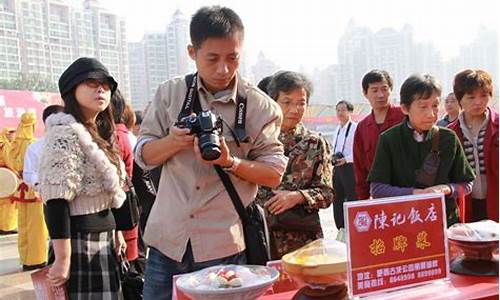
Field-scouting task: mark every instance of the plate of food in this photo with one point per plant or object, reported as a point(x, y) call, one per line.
point(319, 264)
point(242, 282)
point(473, 241)
point(474, 248)
point(482, 231)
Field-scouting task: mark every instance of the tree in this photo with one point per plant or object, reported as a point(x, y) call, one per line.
point(30, 82)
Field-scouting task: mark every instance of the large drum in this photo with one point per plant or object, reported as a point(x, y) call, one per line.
point(8, 183)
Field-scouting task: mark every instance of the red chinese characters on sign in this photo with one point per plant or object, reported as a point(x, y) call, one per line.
point(395, 242)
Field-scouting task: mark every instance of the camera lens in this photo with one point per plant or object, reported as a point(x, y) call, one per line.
point(211, 153)
point(209, 146)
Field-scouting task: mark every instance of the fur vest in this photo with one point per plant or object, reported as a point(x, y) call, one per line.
point(74, 168)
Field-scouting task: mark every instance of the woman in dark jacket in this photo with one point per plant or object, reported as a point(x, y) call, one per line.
point(402, 150)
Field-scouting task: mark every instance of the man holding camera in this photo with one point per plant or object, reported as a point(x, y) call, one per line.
point(193, 223)
point(343, 179)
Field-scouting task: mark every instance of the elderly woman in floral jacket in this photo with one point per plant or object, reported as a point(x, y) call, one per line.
point(307, 180)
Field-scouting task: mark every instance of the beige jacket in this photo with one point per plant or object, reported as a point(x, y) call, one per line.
point(192, 204)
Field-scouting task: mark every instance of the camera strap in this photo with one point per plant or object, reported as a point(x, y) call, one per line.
point(192, 104)
point(345, 138)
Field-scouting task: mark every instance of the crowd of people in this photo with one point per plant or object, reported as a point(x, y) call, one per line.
point(173, 153)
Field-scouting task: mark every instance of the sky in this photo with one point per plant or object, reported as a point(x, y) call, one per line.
point(304, 34)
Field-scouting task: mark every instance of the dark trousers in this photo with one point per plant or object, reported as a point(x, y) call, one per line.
point(479, 211)
point(344, 184)
point(146, 201)
point(160, 270)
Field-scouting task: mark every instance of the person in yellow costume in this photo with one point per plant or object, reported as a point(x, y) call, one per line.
point(8, 209)
point(32, 231)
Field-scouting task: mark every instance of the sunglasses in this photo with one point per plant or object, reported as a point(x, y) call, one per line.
point(94, 83)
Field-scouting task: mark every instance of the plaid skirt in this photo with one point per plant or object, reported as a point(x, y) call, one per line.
point(94, 272)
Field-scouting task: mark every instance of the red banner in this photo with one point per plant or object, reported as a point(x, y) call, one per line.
point(14, 103)
point(395, 242)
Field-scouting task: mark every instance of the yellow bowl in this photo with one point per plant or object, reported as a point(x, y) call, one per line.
point(317, 265)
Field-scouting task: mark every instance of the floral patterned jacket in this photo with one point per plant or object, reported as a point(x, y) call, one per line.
point(310, 172)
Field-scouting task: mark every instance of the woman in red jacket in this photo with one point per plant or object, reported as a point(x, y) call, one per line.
point(126, 156)
point(477, 128)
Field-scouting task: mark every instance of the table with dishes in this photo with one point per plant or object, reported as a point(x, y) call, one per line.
point(460, 287)
point(319, 271)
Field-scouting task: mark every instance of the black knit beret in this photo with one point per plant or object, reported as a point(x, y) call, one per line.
point(82, 69)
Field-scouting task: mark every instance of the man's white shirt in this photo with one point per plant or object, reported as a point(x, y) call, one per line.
point(31, 159)
point(339, 139)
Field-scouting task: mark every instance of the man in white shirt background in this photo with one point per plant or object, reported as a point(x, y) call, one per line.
point(32, 156)
point(30, 169)
point(343, 180)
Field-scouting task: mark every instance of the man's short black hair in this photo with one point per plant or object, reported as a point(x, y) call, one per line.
point(51, 109)
point(418, 86)
point(264, 83)
point(350, 107)
point(373, 76)
point(214, 22)
point(287, 81)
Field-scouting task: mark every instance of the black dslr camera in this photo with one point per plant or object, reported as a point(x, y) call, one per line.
point(207, 128)
point(337, 156)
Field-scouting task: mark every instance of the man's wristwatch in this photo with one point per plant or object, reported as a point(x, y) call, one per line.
point(232, 168)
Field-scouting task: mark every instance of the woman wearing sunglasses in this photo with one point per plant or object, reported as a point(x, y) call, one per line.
point(80, 181)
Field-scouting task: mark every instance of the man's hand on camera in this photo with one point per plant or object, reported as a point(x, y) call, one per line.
point(181, 138)
point(225, 159)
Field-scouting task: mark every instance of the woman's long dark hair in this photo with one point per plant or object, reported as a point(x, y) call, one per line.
point(102, 131)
